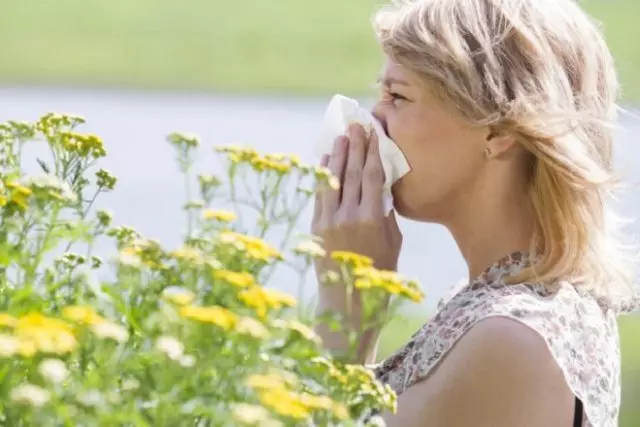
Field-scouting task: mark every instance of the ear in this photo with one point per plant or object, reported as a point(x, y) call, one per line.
point(499, 143)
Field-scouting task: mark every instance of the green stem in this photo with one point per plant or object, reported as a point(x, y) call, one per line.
point(283, 244)
point(84, 214)
point(232, 192)
point(301, 276)
point(187, 187)
point(42, 244)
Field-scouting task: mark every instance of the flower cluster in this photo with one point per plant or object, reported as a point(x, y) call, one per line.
point(279, 163)
point(190, 336)
point(253, 247)
point(86, 145)
point(275, 392)
point(389, 281)
point(34, 333)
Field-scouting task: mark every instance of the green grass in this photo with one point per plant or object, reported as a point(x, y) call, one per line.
point(399, 330)
point(284, 46)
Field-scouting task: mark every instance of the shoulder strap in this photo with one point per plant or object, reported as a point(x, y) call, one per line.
point(577, 416)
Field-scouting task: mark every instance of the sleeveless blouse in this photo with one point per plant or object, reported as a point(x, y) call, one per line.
point(580, 331)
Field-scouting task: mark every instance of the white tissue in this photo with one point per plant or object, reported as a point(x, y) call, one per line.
point(343, 111)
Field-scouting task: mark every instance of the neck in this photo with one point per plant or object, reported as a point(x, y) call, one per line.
point(486, 232)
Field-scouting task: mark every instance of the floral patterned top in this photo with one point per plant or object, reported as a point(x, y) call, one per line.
point(580, 331)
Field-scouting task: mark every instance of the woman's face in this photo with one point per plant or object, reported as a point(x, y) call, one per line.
point(446, 155)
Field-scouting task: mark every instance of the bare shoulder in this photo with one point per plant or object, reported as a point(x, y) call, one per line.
point(500, 373)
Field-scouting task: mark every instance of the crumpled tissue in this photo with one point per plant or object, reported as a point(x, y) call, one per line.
point(343, 111)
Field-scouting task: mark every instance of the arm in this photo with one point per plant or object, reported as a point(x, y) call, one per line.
point(333, 299)
point(500, 374)
point(352, 219)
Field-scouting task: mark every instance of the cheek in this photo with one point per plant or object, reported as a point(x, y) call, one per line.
point(426, 144)
point(441, 158)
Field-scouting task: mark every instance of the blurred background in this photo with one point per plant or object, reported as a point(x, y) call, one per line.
point(252, 72)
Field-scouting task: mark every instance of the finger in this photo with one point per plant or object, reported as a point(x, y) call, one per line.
point(352, 183)
point(317, 204)
point(373, 179)
point(330, 197)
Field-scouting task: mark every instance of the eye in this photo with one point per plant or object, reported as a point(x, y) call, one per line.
point(396, 97)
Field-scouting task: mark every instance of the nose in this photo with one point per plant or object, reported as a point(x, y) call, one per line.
point(379, 114)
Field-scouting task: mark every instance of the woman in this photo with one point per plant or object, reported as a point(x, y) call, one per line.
point(503, 109)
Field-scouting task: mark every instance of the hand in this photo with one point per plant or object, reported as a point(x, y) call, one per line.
point(352, 218)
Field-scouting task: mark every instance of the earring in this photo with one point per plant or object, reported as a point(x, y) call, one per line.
point(487, 151)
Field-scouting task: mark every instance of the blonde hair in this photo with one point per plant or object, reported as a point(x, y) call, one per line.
point(539, 70)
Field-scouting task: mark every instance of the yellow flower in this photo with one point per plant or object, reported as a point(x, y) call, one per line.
point(219, 215)
point(273, 379)
point(310, 248)
point(44, 334)
point(216, 315)
point(289, 159)
point(178, 295)
point(48, 123)
point(241, 280)
point(284, 403)
point(269, 381)
point(130, 257)
point(27, 348)
point(316, 402)
point(82, 314)
point(413, 293)
point(326, 403)
point(188, 253)
point(351, 258)
point(7, 320)
point(83, 145)
point(237, 154)
point(340, 410)
point(388, 281)
point(253, 247)
point(262, 299)
point(325, 176)
point(18, 188)
point(100, 326)
point(19, 194)
point(361, 283)
point(269, 164)
point(274, 394)
point(298, 327)
point(250, 326)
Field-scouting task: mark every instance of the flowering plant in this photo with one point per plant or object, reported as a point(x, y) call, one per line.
point(187, 336)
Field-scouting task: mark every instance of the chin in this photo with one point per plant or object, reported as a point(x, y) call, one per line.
point(425, 211)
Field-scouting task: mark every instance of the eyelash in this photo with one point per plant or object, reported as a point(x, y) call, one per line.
point(396, 96)
point(393, 95)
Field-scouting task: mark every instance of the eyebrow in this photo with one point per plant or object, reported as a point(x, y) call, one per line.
point(388, 81)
